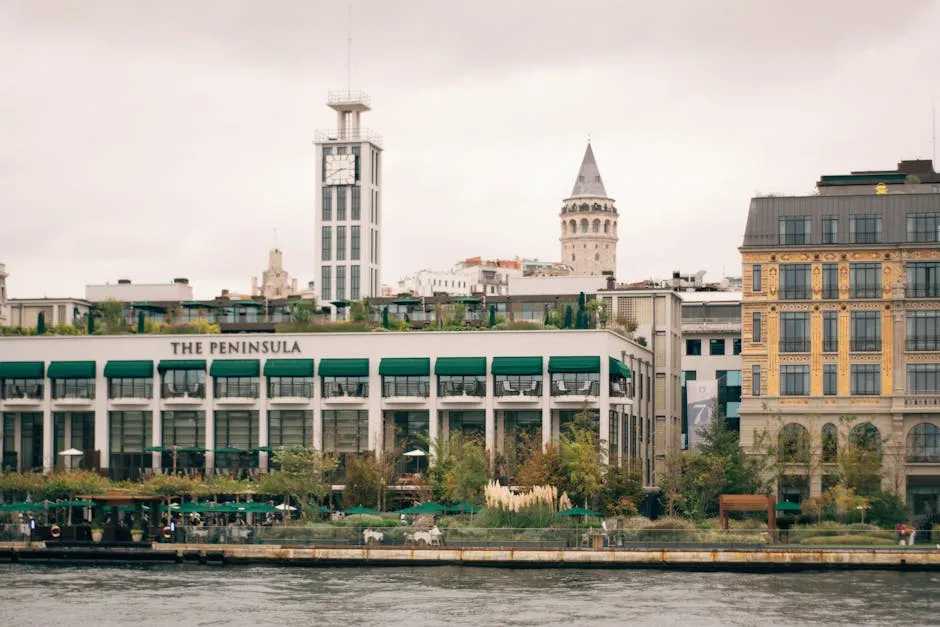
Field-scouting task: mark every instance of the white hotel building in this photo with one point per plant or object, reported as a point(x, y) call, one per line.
point(223, 402)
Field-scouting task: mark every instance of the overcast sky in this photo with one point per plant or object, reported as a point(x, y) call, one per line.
point(152, 140)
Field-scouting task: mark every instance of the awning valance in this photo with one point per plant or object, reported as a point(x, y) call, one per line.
point(405, 367)
point(344, 368)
point(517, 365)
point(181, 364)
point(22, 369)
point(619, 369)
point(71, 370)
point(460, 366)
point(235, 368)
point(128, 369)
point(288, 368)
point(574, 364)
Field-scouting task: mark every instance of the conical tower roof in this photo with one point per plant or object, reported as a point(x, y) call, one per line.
point(589, 181)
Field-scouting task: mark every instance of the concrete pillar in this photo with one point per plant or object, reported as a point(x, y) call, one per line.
point(490, 416)
point(604, 409)
point(433, 418)
point(262, 420)
point(209, 406)
point(546, 404)
point(18, 440)
point(156, 421)
point(376, 422)
point(102, 421)
point(48, 438)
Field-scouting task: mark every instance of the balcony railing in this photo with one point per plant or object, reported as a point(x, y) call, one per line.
point(66, 389)
point(237, 390)
point(798, 292)
point(23, 390)
point(171, 390)
point(580, 388)
point(511, 388)
point(142, 389)
point(336, 389)
point(794, 346)
point(621, 388)
point(923, 343)
point(923, 290)
point(348, 135)
point(830, 345)
point(865, 345)
point(290, 390)
point(409, 388)
point(463, 388)
point(922, 400)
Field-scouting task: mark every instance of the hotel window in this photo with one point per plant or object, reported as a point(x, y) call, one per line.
point(183, 428)
point(830, 332)
point(326, 244)
point(354, 243)
point(794, 332)
point(923, 330)
point(326, 152)
point(340, 282)
point(923, 227)
point(355, 203)
point(865, 228)
point(180, 383)
point(736, 346)
point(236, 387)
point(923, 378)
point(291, 427)
point(354, 293)
point(326, 283)
point(866, 331)
point(73, 388)
point(830, 380)
point(830, 230)
point(865, 280)
point(340, 203)
point(693, 347)
point(340, 243)
point(345, 431)
point(794, 380)
point(357, 163)
point(716, 347)
point(128, 436)
point(794, 229)
point(755, 380)
point(290, 387)
point(22, 388)
point(794, 281)
point(130, 387)
point(830, 281)
point(866, 379)
point(327, 204)
point(923, 279)
point(755, 278)
point(755, 331)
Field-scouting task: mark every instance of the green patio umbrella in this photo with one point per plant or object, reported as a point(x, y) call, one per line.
point(578, 511)
point(191, 449)
point(788, 506)
point(192, 508)
point(261, 508)
point(429, 507)
point(25, 506)
point(359, 509)
point(230, 449)
point(462, 508)
point(156, 449)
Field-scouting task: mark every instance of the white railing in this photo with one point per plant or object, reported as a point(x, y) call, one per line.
point(348, 97)
point(348, 135)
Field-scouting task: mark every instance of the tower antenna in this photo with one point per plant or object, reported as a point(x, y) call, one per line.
point(349, 56)
point(933, 149)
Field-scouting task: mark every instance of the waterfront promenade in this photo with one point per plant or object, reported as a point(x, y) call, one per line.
point(717, 558)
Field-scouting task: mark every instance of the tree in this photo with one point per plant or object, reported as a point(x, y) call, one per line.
point(112, 317)
point(385, 324)
point(357, 311)
point(302, 475)
point(581, 459)
point(460, 469)
point(568, 317)
point(363, 482)
point(622, 491)
point(301, 313)
point(541, 467)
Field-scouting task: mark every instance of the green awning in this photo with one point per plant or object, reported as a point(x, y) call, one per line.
point(246, 303)
point(344, 367)
point(149, 306)
point(467, 299)
point(198, 304)
point(619, 369)
point(517, 365)
point(181, 364)
point(22, 369)
point(460, 366)
point(429, 507)
point(235, 368)
point(405, 367)
point(574, 364)
point(288, 368)
point(128, 369)
point(406, 301)
point(71, 370)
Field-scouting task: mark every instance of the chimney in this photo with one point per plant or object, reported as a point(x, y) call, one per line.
point(124, 281)
point(181, 281)
point(611, 281)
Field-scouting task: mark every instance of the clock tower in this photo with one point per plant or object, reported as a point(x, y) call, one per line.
point(348, 211)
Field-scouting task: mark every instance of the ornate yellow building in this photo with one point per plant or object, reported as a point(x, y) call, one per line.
point(841, 336)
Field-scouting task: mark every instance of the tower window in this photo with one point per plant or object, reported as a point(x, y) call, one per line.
point(572, 256)
point(580, 179)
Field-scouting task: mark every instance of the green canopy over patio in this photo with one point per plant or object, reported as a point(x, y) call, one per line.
point(462, 508)
point(788, 506)
point(429, 507)
point(578, 511)
point(359, 509)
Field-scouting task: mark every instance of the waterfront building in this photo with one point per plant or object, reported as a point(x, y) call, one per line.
point(711, 360)
point(348, 178)
point(589, 223)
point(212, 402)
point(841, 330)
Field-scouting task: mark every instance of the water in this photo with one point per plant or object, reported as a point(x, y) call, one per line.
point(192, 595)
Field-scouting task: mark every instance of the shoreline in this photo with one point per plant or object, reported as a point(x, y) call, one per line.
point(715, 559)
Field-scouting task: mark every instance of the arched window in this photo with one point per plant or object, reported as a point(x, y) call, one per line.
point(572, 257)
point(596, 226)
point(830, 443)
point(584, 225)
point(794, 444)
point(584, 206)
point(597, 206)
point(606, 226)
point(866, 437)
point(923, 443)
point(574, 226)
point(564, 228)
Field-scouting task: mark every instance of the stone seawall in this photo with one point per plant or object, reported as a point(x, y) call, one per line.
point(715, 559)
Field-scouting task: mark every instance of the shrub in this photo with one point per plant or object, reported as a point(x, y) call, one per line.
point(366, 520)
point(847, 540)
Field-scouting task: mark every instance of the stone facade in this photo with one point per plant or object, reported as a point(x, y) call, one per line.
point(589, 224)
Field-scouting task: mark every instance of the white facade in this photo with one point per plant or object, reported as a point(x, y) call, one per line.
point(461, 280)
point(540, 285)
point(348, 211)
point(24, 312)
point(4, 312)
point(126, 292)
point(379, 402)
point(589, 224)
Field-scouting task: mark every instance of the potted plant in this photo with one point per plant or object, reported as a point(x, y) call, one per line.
point(137, 531)
point(97, 524)
point(97, 533)
point(137, 535)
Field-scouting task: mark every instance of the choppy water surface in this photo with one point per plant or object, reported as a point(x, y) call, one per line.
point(191, 595)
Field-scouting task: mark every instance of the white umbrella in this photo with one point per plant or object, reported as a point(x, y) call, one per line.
point(71, 452)
point(416, 453)
point(285, 507)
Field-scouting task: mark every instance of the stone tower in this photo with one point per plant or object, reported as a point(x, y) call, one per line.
point(589, 223)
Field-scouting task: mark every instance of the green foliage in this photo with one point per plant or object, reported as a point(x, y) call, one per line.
point(847, 540)
point(581, 459)
point(363, 482)
point(541, 467)
point(622, 491)
point(568, 323)
point(302, 475)
point(359, 311)
point(887, 509)
point(460, 470)
point(110, 320)
point(302, 313)
point(533, 517)
point(170, 485)
point(366, 520)
point(67, 484)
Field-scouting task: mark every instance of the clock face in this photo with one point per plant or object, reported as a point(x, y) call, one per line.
point(340, 170)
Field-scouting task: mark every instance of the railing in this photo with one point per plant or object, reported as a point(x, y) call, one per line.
point(579, 388)
point(923, 343)
point(335, 389)
point(865, 291)
point(85, 391)
point(794, 346)
point(865, 345)
point(236, 390)
point(349, 135)
point(795, 292)
point(830, 345)
point(169, 390)
point(922, 400)
point(136, 389)
point(32, 392)
point(923, 290)
point(830, 293)
point(621, 389)
point(401, 388)
point(290, 390)
point(508, 388)
point(348, 97)
point(462, 388)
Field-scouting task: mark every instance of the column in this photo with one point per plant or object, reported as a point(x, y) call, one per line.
point(317, 413)
point(376, 426)
point(48, 437)
point(490, 417)
point(843, 356)
point(546, 404)
point(262, 420)
point(604, 409)
point(209, 406)
point(102, 422)
point(18, 440)
point(156, 421)
point(433, 417)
